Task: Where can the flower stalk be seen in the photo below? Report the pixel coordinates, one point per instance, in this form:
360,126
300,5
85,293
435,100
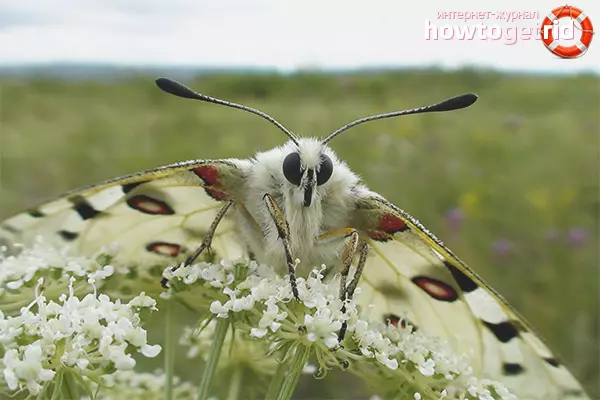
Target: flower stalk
213,358
290,372
169,351
235,385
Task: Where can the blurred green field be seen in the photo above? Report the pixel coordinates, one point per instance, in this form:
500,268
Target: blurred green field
510,184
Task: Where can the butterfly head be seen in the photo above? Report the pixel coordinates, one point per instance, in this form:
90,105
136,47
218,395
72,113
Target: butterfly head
307,166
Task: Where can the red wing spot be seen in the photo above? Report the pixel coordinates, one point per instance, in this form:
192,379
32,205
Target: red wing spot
394,320
148,205
437,289
397,321
164,248
391,224
208,173
210,177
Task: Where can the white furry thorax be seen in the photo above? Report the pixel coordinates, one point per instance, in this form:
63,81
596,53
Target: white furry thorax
331,207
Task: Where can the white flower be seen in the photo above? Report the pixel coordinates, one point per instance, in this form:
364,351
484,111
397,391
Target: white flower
385,359
322,326
427,368
269,312
270,317
258,332
29,369
88,333
102,273
143,301
16,271
217,308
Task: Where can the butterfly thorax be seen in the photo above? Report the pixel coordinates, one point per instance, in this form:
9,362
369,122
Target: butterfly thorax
330,206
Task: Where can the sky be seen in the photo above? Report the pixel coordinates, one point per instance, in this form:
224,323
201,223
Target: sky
284,35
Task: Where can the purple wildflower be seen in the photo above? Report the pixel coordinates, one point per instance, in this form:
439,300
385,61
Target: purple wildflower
502,248
577,237
455,218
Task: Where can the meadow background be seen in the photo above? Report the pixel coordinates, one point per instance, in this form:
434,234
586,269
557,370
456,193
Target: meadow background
510,184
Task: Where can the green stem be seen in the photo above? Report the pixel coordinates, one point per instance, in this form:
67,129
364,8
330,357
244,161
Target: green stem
70,387
277,380
58,383
169,351
285,384
235,384
213,357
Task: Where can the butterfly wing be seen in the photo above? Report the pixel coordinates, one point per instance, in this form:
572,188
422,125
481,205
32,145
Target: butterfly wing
156,217
411,274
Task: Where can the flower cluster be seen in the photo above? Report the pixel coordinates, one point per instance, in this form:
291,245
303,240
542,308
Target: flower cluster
74,339
20,273
262,304
70,341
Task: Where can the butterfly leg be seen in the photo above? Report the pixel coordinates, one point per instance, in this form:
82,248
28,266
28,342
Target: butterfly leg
347,254
205,243
363,249
284,234
353,244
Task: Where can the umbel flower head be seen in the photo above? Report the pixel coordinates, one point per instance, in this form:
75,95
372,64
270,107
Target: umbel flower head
19,274
75,338
261,303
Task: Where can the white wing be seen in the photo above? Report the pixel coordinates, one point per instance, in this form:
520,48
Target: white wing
411,274
156,216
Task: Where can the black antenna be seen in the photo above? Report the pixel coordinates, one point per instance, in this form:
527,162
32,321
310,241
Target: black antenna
177,89
454,103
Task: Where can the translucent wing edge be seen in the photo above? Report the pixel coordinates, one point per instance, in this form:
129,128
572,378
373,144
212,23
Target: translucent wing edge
469,281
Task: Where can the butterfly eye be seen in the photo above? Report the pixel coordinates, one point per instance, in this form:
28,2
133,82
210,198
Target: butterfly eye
292,169
325,170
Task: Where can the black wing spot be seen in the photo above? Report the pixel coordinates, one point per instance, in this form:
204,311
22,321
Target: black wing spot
36,213
67,235
552,361
83,208
128,187
465,283
512,369
504,331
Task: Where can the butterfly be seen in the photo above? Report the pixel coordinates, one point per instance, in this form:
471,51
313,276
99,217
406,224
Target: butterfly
300,201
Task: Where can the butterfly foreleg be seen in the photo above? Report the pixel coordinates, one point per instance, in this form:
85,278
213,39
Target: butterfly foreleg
205,243
283,230
352,245
347,254
363,250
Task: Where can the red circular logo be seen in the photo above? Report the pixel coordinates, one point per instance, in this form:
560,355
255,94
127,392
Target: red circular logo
550,23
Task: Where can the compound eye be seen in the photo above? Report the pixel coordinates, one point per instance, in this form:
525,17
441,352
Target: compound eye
325,170
292,169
